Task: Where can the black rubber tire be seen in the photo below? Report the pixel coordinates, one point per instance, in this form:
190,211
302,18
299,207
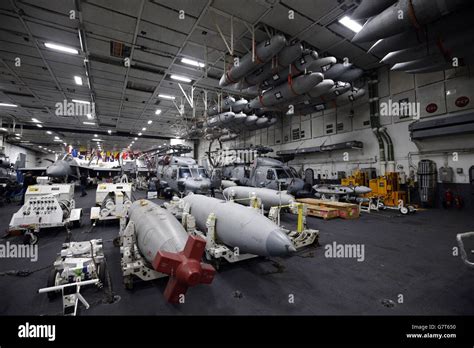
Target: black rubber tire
52,282
102,273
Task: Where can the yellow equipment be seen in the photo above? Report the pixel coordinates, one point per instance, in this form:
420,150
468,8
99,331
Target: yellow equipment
358,178
387,188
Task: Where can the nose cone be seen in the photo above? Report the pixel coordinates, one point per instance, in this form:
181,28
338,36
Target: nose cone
196,186
55,171
361,190
278,244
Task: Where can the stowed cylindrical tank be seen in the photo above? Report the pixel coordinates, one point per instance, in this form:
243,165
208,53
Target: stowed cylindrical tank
163,242
241,227
270,198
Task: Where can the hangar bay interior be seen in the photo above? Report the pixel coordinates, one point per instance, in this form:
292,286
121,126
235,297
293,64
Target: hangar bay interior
247,157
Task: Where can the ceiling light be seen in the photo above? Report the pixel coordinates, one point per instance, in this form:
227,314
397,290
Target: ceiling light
133,142
49,132
166,96
35,120
157,112
39,126
58,140
192,62
78,80
56,137
139,134
17,138
351,24
61,48
80,101
18,135
180,78
97,140
11,105
144,129
40,147
90,123
136,139
95,135
109,131
3,129
89,116
150,121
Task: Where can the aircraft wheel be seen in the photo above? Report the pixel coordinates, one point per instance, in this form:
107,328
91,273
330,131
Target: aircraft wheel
101,273
382,206
53,280
128,282
411,209
404,210
30,238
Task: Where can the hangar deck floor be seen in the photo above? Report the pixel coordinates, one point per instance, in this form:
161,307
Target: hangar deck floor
407,255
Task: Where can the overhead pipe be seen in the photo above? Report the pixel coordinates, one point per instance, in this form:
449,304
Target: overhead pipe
375,118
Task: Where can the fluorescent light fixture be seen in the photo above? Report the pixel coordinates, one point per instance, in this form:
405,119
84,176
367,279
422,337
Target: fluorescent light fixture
56,137
180,78
17,138
157,112
139,134
136,139
58,140
3,129
144,129
11,105
89,116
39,126
61,48
95,135
35,120
80,101
89,123
133,142
18,135
109,131
49,132
78,80
97,140
166,96
351,24
192,62
150,121
40,147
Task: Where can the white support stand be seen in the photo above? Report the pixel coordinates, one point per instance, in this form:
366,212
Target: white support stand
132,262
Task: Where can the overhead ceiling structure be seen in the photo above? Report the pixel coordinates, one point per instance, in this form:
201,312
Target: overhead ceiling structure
131,58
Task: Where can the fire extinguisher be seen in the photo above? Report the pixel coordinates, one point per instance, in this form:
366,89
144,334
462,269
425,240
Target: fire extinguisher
448,199
458,203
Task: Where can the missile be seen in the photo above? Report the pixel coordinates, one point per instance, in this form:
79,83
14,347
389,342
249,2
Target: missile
270,198
164,243
319,90
297,68
250,120
284,58
337,70
240,227
404,15
349,97
450,25
316,104
220,119
228,137
370,8
263,53
341,190
351,75
287,91
226,104
239,105
443,46
239,118
436,59
322,65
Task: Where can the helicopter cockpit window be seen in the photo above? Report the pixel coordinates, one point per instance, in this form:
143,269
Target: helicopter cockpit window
293,172
184,173
270,174
281,173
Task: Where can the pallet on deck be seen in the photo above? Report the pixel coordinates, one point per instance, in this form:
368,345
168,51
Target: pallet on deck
345,210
